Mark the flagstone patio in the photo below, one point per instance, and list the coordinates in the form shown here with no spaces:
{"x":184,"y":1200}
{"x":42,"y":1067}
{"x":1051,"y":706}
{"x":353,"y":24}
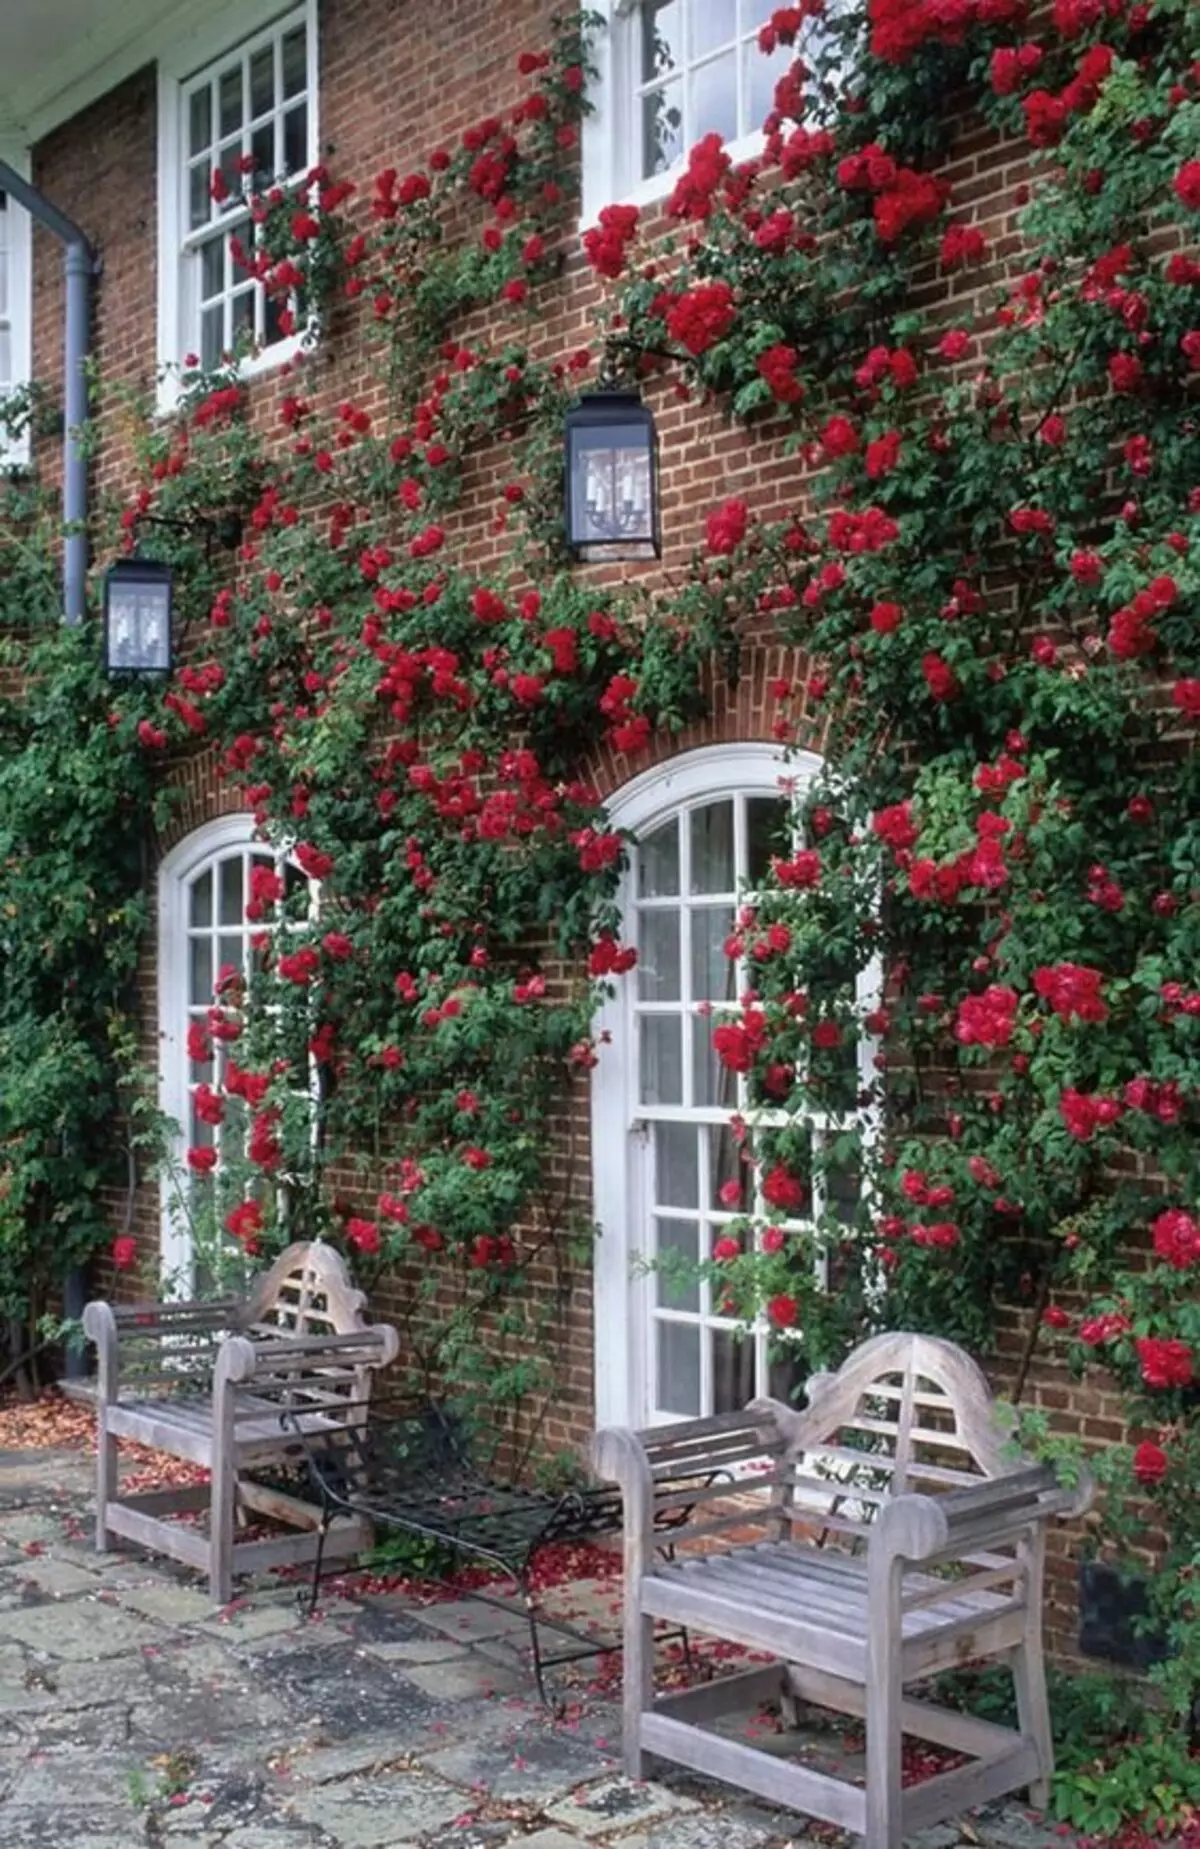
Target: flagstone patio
{"x":134,"y":1713}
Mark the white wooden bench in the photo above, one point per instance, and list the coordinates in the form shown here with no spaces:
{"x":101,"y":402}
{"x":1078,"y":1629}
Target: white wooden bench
{"x":880,"y":1536}
{"x":227,"y":1385}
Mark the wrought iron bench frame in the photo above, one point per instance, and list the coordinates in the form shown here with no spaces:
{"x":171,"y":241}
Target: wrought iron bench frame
{"x":448,"y":1502}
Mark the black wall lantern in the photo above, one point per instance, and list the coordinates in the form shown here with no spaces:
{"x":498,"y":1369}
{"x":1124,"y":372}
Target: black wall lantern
{"x":612,"y":477}
{"x":137,"y":617}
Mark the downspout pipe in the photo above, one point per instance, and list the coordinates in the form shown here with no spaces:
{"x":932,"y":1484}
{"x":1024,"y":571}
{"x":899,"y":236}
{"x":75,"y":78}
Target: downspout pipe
{"x":79,"y":267}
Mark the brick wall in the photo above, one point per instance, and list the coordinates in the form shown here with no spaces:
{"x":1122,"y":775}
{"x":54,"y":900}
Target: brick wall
{"x":399,"y":77}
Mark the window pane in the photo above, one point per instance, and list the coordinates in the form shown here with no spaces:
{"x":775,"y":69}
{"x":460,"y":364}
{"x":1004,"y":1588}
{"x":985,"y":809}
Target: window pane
{"x":725,"y":1165}
{"x":675,"y":1166}
{"x":243,"y":314}
{"x":658,"y":862}
{"x":200,"y":971}
{"x":787,"y":1375}
{"x":295,"y":62}
{"x":200,"y":120}
{"x":679,"y":1236}
{"x":262,"y":81}
{"x":766,"y":834}
{"x":712,"y":1083}
{"x":273,"y":307}
{"x":200,"y":905}
{"x":231,"y":952}
{"x":662,"y":38}
{"x":658,"y":956}
{"x":679,"y":1369}
{"x":212,"y":268}
{"x":712,"y":848}
{"x":295,"y":139}
{"x":662,"y":128}
{"x":229,"y":103}
{"x":201,"y":1135}
{"x":298,"y":891}
{"x":761,"y":76}
{"x":714,"y":22}
{"x":232,"y":901}
{"x":841,"y":1193}
{"x":661,"y":1059}
{"x":200,"y":1070}
{"x":199,"y":197}
{"x":262,"y":147}
{"x":714,"y":975}
{"x":212,"y":337}
{"x":231,"y":173}
{"x":733,"y":1370}
{"x":714,"y":99}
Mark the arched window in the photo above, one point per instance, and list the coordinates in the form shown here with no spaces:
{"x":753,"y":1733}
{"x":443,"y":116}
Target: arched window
{"x":666,"y":1164}
{"x":204,"y":885}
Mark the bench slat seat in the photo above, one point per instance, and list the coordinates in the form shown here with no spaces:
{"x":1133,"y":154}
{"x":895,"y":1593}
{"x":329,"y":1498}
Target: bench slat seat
{"x":943,"y":1564}
{"x":231,"y":1387}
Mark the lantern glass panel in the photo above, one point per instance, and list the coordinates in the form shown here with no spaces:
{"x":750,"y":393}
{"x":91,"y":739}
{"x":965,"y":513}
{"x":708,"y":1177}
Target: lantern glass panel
{"x":612,"y":490}
{"x":139,"y":625}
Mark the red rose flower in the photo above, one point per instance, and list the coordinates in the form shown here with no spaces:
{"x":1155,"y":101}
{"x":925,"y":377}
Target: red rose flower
{"x":782,"y":1189}
{"x":701,"y":316}
{"x":1187,"y":185}
{"x":1149,"y":1460}
{"x":124,"y":1252}
{"x":1164,"y":1362}
{"x":782,"y":1312}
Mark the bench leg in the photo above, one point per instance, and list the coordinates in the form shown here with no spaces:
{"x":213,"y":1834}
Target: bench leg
{"x":638,"y":1682}
{"x":106,"y":1478}
{"x":1033,"y":1712}
{"x":884,"y":1703}
{"x":220,"y":1531}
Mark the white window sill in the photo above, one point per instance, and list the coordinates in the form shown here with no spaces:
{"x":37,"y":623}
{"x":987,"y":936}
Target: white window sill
{"x":258,"y":365}
{"x":658,"y":186}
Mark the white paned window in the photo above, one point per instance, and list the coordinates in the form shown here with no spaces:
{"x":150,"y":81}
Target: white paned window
{"x":670,"y":1174}
{"x":15,"y":314}
{"x":205,"y":885}
{"x":671,"y":72}
{"x":248,"y":117}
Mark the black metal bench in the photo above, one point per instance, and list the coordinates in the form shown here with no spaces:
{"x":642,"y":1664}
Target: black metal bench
{"x":411,"y":1471}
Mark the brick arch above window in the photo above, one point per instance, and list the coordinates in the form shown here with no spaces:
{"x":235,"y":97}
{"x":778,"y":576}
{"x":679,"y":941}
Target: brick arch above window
{"x":743,"y":716}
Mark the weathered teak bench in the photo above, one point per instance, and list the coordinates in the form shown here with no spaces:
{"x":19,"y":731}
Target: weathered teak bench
{"x":935,"y":1557}
{"x":228,"y":1385}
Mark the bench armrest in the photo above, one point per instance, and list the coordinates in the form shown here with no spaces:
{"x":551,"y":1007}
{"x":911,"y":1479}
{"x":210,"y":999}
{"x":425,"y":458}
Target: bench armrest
{"x":154,"y":1329}
{"x":989,"y":1514}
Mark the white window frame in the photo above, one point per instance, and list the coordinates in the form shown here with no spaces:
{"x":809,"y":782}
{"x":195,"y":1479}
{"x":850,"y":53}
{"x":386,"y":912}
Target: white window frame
{"x":178,"y":328}
{"x":19,"y":318}
{"x":205,"y":847}
{"x":622,"y":1285}
{"x":611,"y":134}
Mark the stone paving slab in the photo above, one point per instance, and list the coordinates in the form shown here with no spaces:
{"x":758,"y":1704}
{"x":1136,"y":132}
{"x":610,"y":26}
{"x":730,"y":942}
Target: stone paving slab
{"x":616,"y":1804}
{"x":531,"y":1769}
{"x":381,"y":1813}
{"x":80,"y":1630}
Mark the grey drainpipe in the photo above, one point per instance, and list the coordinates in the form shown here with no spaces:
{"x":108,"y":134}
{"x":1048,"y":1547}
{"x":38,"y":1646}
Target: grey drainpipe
{"x":79,"y":266}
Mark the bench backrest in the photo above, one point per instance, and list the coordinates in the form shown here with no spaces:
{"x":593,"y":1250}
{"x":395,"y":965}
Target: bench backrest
{"x":903,"y":1413}
{"x":172,"y":1347}
{"x":307,"y":1291}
